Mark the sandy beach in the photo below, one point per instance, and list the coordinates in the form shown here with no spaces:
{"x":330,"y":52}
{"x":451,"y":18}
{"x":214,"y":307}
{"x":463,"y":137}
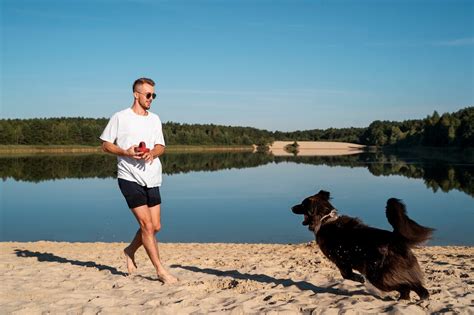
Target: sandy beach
{"x":317,"y":148}
{"x":90,"y":278}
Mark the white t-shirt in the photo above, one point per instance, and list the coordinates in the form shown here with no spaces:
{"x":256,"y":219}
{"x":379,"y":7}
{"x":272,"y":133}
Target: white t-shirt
{"x":125,"y":129}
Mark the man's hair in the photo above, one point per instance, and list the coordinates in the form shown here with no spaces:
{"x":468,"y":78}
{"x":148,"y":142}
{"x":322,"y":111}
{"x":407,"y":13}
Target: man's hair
{"x":142,"y":81}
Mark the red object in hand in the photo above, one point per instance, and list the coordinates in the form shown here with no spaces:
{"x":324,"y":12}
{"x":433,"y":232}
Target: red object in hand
{"x":142,"y":148}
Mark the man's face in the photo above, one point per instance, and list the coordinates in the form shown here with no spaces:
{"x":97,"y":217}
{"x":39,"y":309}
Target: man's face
{"x":144,"y":94}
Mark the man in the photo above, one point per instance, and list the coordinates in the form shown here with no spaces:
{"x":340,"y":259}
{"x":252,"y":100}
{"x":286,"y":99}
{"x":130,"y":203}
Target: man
{"x":139,"y":170}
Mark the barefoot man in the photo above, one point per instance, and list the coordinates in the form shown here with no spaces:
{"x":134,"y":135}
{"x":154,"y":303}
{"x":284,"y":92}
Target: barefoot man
{"x":139,"y":170}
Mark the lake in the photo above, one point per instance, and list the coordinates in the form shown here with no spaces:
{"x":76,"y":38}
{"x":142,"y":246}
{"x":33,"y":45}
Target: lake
{"x":233,"y":197}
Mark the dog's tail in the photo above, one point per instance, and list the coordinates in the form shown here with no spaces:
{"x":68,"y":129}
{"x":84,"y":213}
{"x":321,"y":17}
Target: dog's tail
{"x":412,"y":232}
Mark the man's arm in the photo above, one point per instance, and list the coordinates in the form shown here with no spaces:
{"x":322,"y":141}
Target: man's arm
{"x":158,"y":150}
{"x":109,"y":147}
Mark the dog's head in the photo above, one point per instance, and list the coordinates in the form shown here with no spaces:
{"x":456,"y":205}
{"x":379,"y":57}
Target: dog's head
{"x":314,"y":208}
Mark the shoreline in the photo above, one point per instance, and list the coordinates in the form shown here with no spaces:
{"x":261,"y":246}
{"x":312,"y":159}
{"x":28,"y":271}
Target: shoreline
{"x":62,"y":277}
{"x":277,"y":148}
{"x":7,"y":150}
{"x":305,"y":148}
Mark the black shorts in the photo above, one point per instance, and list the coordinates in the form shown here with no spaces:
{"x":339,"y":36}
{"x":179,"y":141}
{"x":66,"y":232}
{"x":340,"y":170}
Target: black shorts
{"x":137,"y":195}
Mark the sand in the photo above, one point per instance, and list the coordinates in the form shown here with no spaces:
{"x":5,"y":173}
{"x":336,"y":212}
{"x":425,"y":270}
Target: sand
{"x":90,"y":278}
{"x":317,"y":148}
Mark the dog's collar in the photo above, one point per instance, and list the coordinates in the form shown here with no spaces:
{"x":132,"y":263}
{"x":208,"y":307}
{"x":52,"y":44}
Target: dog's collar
{"x":331,"y":216}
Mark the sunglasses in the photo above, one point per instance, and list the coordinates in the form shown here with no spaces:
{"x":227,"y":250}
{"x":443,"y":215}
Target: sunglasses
{"x":148,"y":95}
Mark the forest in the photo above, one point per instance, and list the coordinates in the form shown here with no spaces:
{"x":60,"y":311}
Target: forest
{"x":447,"y":130}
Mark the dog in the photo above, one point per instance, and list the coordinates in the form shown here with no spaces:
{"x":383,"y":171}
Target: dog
{"x":383,"y":257}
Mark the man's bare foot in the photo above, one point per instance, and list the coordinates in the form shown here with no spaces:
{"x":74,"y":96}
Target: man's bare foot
{"x":130,"y":258}
{"x":166,"y":278}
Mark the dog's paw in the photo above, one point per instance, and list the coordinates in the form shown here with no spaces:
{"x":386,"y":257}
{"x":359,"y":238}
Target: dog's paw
{"x":358,"y":278}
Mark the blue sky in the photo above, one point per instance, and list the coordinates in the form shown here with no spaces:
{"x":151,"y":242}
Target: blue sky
{"x":276,"y":65}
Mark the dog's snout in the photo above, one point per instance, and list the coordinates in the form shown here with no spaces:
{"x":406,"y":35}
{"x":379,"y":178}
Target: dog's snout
{"x":298,"y":209}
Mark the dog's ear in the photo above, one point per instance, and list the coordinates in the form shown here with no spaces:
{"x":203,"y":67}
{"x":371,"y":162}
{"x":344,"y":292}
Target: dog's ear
{"x":324,"y":194}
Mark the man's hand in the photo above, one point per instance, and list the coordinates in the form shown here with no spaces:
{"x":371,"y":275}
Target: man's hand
{"x":137,"y":155}
{"x":157,"y":151}
{"x":148,"y":157}
{"x":130,"y":152}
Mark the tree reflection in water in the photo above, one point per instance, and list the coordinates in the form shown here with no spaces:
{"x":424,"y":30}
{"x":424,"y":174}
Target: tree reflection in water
{"x":445,"y":172}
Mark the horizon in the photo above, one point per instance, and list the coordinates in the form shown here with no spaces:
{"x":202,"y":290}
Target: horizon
{"x":276,"y":66}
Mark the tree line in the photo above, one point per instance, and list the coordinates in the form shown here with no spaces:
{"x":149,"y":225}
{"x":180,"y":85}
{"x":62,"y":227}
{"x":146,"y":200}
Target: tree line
{"x":448,"y":130}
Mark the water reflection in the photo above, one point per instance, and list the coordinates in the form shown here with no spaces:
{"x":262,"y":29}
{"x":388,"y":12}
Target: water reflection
{"x":439,"y":171}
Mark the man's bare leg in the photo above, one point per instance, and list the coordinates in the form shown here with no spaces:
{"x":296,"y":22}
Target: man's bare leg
{"x":130,"y":250}
{"x":143,"y":215}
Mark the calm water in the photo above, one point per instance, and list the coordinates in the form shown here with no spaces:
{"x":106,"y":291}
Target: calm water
{"x":232,"y":197}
